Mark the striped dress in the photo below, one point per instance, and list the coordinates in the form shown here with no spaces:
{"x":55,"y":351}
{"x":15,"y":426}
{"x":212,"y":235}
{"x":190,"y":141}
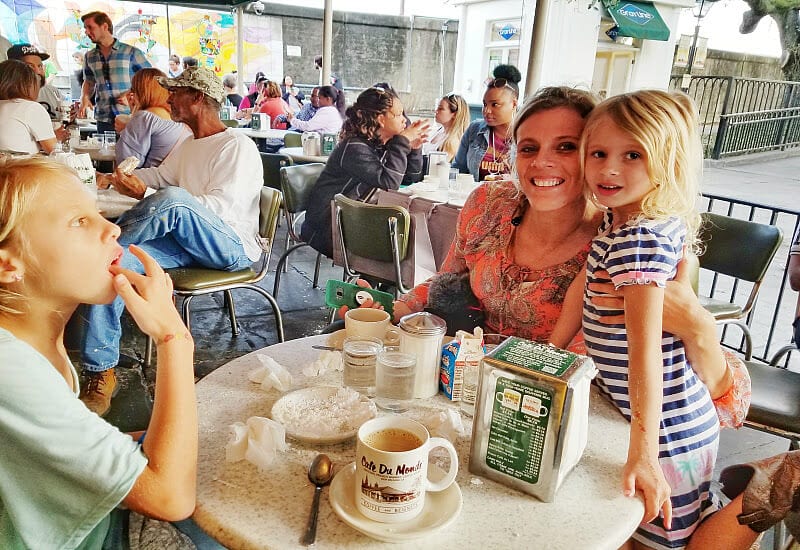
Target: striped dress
{"x":647,"y":252}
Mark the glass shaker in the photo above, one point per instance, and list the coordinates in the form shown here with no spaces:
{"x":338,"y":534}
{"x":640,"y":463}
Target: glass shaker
{"x":421,"y":334}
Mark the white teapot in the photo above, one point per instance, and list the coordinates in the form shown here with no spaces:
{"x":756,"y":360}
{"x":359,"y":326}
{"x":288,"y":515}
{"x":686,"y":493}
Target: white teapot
{"x":311,"y":143}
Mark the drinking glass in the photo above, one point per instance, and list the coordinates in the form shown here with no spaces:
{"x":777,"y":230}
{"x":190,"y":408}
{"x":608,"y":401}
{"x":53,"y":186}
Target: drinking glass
{"x":394,"y":380}
{"x":111,"y":139}
{"x":98,"y":140}
{"x":360,"y":354}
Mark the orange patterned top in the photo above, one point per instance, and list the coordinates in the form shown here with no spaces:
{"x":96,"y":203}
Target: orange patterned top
{"x":516,"y":300}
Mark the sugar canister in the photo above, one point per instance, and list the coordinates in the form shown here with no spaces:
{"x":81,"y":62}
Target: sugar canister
{"x":421,"y":334}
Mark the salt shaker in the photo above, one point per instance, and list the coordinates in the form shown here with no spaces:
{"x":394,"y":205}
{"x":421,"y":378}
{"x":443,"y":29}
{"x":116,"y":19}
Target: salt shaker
{"x":421,"y":334}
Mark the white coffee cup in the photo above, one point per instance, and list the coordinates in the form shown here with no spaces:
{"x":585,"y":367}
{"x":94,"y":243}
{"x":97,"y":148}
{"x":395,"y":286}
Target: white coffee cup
{"x":392,"y":468}
{"x":366,"y":321}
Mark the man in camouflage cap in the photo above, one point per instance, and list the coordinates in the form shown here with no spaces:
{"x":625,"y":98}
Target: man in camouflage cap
{"x":204,"y":213}
{"x":198,"y":78}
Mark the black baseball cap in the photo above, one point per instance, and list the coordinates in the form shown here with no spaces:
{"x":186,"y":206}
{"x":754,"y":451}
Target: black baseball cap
{"x":18,"y":51}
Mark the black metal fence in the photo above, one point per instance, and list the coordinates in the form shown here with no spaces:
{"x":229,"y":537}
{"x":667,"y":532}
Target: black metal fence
{"x":771,"y":319}
{"x":744,"y":115}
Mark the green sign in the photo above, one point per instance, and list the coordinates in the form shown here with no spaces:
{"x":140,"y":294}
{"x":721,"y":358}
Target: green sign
{"x":637,"y":19}
{"x":518,"y":429}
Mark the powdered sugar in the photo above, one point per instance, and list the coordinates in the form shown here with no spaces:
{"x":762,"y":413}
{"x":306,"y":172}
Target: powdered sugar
{"x":324,"y":414}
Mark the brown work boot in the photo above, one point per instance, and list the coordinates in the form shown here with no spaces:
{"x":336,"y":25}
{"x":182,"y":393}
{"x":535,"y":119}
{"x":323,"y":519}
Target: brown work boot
{"x":97,"y":390}
{"x":770,"y":487}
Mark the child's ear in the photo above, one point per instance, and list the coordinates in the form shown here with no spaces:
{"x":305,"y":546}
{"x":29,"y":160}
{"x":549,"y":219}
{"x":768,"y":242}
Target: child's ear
{"x":11,"y":269}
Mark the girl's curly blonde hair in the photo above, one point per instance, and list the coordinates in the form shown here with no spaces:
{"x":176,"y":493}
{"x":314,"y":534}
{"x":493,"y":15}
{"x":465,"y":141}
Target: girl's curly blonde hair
{"x":665,"y":125}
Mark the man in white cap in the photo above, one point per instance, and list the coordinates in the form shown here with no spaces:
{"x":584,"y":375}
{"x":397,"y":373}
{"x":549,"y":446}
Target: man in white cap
{"x":204,"y":213}
{"x":49,"y":96}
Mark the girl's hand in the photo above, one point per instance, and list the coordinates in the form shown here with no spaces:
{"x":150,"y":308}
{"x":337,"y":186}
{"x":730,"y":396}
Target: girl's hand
{"x":416,"y":133}
{"x":643,"y":475}
{"x":148,"y":297}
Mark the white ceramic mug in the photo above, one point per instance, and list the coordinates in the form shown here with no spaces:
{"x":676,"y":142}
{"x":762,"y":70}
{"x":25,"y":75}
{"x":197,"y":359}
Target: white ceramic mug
{"x":366,"y":321}
{"x":392,"y":468}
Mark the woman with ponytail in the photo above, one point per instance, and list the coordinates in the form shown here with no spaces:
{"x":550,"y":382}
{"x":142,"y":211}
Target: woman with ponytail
{"x":377,"y":150}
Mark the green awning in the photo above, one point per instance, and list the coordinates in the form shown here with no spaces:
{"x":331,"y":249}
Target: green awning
{"x":637,"y":19}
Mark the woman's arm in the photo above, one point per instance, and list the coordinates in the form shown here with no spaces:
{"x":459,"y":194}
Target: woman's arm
{"x":569,"y":322}
{"x":460,"y":160}
{"x":642,"y":472}
{"x":166,"y":489}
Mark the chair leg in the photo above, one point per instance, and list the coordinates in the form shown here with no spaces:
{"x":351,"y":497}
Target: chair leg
{"x":231,"y":312}
{"x":185,"y":311}
{"x":276,"y":310}
{"x":316,"y":271}
{"x":282,"y":261}
{"x":148,"y":354}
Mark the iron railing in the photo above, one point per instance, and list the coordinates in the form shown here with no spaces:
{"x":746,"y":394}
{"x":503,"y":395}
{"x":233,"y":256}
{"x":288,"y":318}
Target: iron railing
{"x":771,"y":319}
{"x":719,"y":98}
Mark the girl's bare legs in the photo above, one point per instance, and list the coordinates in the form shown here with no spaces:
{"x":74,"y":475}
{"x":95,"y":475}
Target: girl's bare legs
{"x":722,"y":530}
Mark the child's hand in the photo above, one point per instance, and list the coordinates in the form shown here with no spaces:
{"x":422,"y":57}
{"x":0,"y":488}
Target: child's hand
{"x":646,"y":476}
{"x":148,"y":297}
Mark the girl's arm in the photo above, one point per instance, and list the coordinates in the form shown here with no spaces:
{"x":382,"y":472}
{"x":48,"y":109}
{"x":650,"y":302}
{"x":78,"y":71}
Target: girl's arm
{"x":166,"y":489}
{"x":569,"y":321}
{"x":642,"y":472}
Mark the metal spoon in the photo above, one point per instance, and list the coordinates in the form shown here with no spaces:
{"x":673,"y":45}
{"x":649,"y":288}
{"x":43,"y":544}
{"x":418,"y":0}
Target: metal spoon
{"x":320,"y":473}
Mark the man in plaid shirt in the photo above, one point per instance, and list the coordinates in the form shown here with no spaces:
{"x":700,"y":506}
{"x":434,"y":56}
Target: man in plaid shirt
{"x":107,"y":70}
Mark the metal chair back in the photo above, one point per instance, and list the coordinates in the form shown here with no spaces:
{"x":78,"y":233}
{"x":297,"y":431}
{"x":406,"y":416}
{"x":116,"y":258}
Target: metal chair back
{"x":272,"y":163}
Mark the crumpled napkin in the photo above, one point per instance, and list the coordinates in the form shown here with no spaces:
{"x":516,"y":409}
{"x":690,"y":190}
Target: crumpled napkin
{"x":326,"y":362}
{"x":271,"y":375}
{"x":258,"y":441}
{"x":445,"y":423}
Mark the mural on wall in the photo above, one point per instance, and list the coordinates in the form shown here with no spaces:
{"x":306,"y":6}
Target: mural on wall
{"x":210,"y":36}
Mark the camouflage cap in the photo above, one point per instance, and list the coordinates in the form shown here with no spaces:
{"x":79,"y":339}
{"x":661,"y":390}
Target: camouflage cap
{"x":198,"y":78}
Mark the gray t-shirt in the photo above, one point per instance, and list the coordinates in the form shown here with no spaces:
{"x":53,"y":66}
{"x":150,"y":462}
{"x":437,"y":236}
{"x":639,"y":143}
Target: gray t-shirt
{"x":150,"y":138}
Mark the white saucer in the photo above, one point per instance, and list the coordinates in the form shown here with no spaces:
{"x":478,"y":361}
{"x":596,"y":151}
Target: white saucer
{"x":441,"y":509}
{"x":341,"y":424}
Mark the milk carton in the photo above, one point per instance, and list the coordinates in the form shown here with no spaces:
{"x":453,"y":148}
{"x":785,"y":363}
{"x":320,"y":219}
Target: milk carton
{"x":531,"y":418}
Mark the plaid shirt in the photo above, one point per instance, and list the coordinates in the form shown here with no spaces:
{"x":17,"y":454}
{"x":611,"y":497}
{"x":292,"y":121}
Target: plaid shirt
{"x":112,"y":76}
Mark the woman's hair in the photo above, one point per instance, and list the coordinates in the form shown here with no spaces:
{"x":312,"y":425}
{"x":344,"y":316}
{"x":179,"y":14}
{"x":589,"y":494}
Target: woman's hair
{"x":229,"y":81}
{"x":283,"y":82}
{"x":665,"y":125}
{"x":505,"y":76}
{"x":17,"y":80}
{"x":553,"y":97}
{"x":174,"y":58}
{"x":149,"y":93}
{"x":20,"y":181}
{"x":271,"y":89}
{"x":362,"y":116}
{"x":330,"y":92}
{"x":458,"y":106}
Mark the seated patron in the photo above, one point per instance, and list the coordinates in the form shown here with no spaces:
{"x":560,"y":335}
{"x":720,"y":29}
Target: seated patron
{"x":327,"y":119}
{"x":377,"y":151}
{"x":274,"y":105}
{"x":151,"y":134}
{"x":26,"y":128}
{"x":204,"y":213}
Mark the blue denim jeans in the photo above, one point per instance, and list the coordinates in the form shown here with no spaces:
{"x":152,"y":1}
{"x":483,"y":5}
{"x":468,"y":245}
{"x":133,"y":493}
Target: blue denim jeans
{"x":177,"y":231}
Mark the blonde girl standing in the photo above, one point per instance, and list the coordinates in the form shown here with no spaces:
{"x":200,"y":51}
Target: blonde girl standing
{"x":642,"y":161}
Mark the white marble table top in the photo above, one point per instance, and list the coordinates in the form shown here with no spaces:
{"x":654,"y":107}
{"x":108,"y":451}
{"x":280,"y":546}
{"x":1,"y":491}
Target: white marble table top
{"x":243,"y":507}
{"x":265,"y":133}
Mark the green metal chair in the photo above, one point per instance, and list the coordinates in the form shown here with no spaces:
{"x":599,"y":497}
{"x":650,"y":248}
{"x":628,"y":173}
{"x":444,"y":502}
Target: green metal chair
{"x":189,"y":282}
{"x":293,"y":139}
{"x":373,"y":240}
{"x":230,"y":123}
{"x":272,"y":163}
{"x":741,"y":250}
{"x":297,"y":181}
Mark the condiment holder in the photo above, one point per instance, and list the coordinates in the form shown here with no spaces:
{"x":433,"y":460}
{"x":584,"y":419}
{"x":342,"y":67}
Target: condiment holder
{"x":421,"y":334}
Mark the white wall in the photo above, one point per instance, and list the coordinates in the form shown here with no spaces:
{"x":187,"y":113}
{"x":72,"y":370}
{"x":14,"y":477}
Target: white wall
{"x":654,"y":62}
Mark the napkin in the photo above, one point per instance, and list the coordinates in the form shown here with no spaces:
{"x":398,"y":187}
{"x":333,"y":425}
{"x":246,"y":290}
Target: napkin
{"x":326,"y":362}
{"x":445,"y":423}
{"x":258,"y":441}
{"x":271,"y":375}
